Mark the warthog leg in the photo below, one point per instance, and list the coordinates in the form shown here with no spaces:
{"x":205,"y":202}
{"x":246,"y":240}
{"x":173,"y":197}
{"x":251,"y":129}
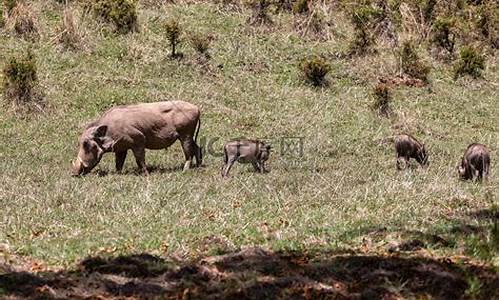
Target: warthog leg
{"x":191,"y":150}
{"x":140,"y":158}
{"x":259,"y":167}
{"x":228,"y":165}
{"x":398,"y":163}
{"x":120,"y":160}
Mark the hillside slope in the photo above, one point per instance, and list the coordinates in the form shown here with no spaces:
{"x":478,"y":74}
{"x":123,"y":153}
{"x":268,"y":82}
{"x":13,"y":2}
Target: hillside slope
{"x":343,"y":192}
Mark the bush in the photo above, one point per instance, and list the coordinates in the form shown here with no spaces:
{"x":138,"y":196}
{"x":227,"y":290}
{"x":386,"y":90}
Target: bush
{"x":411,"y":64}
{"x":382,"y":97}
{"x":428,"y":7}
{"x":283,"y":5}
{"x":363,"y":20}
{"x":21,"y":20}
{"x":317,"y":23}
{"x":470,"y":63}
{"x":314,"y":69}
{"x":173,"y":32}
{"x":487,"y":22}
{"x":19,"y":79}
{"x":260,"y":14}
{"x":301,"y":7}
{"x":443,"y":36}
{"x":121,"y":13}
{"x":313,"y":24}
{"x":200,"y":43}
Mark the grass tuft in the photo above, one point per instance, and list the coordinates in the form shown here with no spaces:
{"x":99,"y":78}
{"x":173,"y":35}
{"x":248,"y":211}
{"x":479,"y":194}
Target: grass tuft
{"x":260,"y":15}
{"x":22,"y":21}
{"x":173,"y":32}
{"x":382,"y":101}
{"x":121,"y":13}
{"x":301,"y":7}
{"x":487,"y":21}
{"x":443,"y":36}
{"x":411,"y":64}
{"x":20,"y":80}
{"x":471,"y":62}
{"x":69,"y":36}
{"x":314,"y":69}
{"x":363,"y":19}
{"x":200,"y":43}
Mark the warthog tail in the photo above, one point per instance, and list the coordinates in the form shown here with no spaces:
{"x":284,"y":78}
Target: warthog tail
{"x":197,"y":131}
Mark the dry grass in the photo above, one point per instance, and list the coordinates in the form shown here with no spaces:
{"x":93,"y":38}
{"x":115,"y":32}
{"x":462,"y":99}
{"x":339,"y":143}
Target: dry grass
{"x":70,"y":36}
{"x":22,"y":21}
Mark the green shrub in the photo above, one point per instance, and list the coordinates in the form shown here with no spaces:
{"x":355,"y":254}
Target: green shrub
{"x":471,"y":62}
{"x":173,"y":32}
{"x":365,"y":16}
{"x":200,"y":43}
{"x":121,"y":13}
{"x":442,"y":35}
{"x":20,"y":78}
{"x":301,"y":7}
{"x":363,"y":19}
{"x":382,"y":97}
{"x":411,"y":64}
{"x":314,"y":69}
{"x":487,"y":22}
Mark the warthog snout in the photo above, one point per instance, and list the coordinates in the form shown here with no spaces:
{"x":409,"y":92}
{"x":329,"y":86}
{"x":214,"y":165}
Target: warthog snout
{"x":78,"y":167}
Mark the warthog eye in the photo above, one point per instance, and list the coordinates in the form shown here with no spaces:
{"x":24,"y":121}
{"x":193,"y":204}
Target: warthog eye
{"x":86,"y":146}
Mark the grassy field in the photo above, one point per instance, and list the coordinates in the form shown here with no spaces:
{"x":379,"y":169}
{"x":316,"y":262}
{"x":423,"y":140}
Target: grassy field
{"x":335,"y":196}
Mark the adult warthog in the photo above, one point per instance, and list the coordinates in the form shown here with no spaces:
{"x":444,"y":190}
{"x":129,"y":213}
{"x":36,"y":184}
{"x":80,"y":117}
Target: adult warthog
{"x":408,"y":147}
{"x":475,"y":163}
{"x":138,"y":127}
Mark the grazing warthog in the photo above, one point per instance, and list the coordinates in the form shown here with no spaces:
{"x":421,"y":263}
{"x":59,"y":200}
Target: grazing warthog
{"x":408,"y":147}
{"x":139,"y":127}
{"x":475,"y":163}
{"x":245,"y":151}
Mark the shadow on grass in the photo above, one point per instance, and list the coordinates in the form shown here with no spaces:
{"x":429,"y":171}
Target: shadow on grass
{"x":254,"y":273}
{"x":479,"y":223}
{"x":151,"y":170}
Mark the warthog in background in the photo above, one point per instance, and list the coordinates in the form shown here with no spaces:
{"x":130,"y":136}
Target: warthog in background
{"x":139,"y":127}
{"x":408,"y":147}
{"x":245,"y":151}
{"x":475,"y":163}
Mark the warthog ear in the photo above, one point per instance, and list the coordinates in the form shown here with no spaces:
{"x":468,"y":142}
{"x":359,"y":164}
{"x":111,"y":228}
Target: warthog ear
{"x":99,"y":135}
{"x":99,"y":131}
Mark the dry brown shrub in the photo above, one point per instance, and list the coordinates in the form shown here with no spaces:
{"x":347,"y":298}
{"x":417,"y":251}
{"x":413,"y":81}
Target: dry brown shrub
{"x":260,"y":13}
{"x":22,"y":21}
{"x":313,"y":24}
{"x":69,"y":36}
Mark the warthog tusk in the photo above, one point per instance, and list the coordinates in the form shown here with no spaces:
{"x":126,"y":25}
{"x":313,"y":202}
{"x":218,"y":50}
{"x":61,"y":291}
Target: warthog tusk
{"x":81,"y":161}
